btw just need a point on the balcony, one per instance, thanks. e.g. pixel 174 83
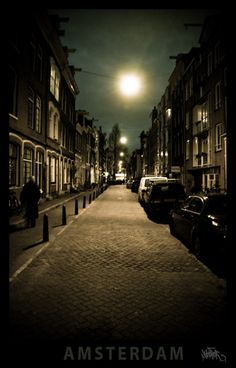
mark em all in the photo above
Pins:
pixel 201 159
pixel 200 129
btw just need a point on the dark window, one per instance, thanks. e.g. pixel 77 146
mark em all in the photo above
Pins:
pixel 174 190
pixel 28 164
pixel 30 108
pixel 39 63
pixel 12 91
pixel 13 164
pixel 32 56
pixel 195 205
pixel 217 206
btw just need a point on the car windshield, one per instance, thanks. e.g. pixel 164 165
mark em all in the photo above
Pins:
pixel 217 206
pixel 171 190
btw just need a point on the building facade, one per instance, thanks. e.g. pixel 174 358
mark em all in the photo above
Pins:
pixel 189 141
pixel 42 106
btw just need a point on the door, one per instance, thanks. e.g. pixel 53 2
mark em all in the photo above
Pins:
pixel 190 216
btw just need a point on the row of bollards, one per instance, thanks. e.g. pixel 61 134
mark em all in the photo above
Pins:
pixel 64 220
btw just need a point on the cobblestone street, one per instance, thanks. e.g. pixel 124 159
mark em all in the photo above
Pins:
pixel 114 275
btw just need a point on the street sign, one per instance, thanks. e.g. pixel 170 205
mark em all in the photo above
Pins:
pixel 175 169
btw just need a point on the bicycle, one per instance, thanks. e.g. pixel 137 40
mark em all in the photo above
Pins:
pixel 14 205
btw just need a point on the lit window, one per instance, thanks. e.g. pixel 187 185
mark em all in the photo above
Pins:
pixel 54 80
pixel 168 112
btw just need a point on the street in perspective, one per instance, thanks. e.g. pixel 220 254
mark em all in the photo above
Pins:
pixel 121 180
pixel 113 275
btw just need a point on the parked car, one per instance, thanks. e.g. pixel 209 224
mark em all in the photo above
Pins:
pixel 160 198
pixel 129 183
pixel 135 186
pixel 145 182
pixel 202 222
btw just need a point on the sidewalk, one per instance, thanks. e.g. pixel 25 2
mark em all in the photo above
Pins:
pixel 47 205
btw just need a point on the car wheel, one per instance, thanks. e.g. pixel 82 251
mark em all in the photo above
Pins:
pixel 196 246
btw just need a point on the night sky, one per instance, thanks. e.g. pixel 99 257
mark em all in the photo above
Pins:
pixel 110 42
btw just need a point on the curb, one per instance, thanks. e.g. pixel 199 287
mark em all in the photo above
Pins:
pixel 17 222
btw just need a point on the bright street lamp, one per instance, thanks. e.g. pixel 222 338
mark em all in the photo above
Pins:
pixel 123 140
pixel 130 85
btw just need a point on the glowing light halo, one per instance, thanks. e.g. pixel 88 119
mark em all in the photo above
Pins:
pixel 130 85
pixel 123 140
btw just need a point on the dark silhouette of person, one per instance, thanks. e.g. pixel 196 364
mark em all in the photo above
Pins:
pixel 29 198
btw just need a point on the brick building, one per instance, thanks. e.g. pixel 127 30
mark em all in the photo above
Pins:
pixel 42 105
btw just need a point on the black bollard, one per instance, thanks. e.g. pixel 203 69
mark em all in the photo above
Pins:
pixel 90 198
pixel 84 202
pixel 76 207
pixel 63 215
pixel 45 228
pixel 94 195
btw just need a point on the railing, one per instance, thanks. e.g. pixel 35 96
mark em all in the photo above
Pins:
pixel 200 126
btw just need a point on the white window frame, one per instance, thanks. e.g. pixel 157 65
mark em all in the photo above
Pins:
pixel 38 114
pixel 31 105
pixel 54 80
pixel 204 116
pixel 218 136
pixel 195 151
pixel 28 163
pixel 39 167
pixel 65 172
pixel 53 169
pixel 187 149
pixel 53 123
